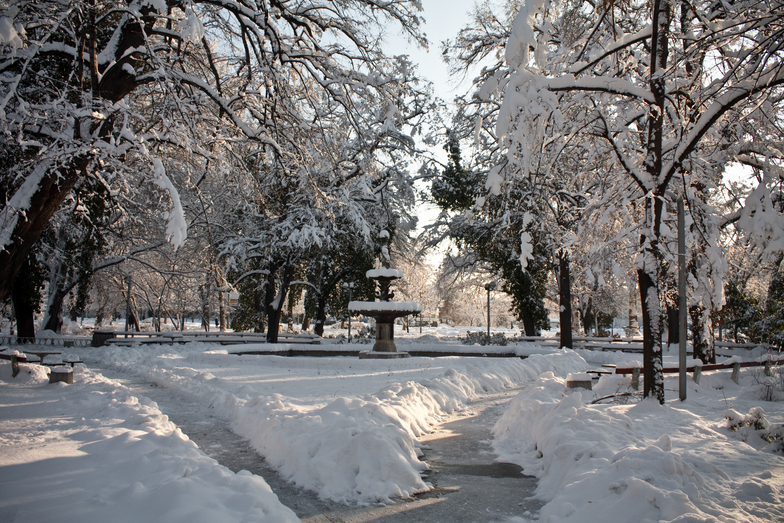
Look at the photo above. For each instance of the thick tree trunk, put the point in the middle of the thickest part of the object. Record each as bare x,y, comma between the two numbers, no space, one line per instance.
701,335
651,333
274,300
650,273
45,201
24,308
565,299
529,325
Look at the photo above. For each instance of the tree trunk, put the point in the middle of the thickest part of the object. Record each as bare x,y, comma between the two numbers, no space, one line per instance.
204,295
73,312
54,313
275,299
529,325
321,314
701,335
565,299
222,310
45,201
651,333
588,317
24,308
673,325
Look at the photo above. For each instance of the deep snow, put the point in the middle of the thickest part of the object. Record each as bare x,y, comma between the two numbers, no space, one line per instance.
348,428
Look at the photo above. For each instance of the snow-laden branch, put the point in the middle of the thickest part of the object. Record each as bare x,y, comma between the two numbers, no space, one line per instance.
718,107
617,86
619,44
19,203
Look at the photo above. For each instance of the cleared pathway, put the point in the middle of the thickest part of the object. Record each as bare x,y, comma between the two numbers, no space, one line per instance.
468,486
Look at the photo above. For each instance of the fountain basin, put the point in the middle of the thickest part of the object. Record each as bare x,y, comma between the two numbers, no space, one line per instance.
385,313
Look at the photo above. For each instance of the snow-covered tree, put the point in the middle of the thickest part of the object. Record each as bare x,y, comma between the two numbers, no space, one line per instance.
106,89
659,87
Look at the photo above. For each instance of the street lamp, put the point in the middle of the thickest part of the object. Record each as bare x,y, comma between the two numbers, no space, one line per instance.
489,287
350,287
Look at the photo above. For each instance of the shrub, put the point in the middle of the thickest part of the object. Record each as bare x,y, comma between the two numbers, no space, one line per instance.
482,338
754,421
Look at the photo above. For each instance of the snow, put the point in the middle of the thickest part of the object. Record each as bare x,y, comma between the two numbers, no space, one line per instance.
9,34
19,203
385,306
644,461
177,226
91,452
348,429
375,274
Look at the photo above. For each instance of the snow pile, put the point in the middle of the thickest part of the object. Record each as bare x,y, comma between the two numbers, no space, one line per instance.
357,447
91,452
642,462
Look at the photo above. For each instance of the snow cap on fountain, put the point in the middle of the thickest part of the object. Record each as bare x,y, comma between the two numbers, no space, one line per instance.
374,274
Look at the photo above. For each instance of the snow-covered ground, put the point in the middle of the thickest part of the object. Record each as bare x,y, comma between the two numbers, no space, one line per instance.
348,428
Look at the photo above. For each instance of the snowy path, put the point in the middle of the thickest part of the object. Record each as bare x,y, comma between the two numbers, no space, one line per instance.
469,487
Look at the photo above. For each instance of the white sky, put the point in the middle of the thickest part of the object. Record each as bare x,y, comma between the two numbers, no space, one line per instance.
443,20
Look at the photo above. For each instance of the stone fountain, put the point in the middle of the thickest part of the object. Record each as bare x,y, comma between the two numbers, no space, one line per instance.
384,311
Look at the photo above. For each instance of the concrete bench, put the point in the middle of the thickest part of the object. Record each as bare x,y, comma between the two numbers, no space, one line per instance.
61,374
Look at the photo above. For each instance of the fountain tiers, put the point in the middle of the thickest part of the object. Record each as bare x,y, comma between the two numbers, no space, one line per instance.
384,312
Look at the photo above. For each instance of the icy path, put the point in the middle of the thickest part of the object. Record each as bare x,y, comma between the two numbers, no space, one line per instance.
469,486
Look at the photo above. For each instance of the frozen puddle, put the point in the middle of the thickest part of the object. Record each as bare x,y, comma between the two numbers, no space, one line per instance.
468,485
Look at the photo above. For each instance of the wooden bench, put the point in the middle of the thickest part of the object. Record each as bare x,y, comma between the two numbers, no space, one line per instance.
65,361
598,372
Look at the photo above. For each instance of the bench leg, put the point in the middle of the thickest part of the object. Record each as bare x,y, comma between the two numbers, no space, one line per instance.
14,365
735,372
697,374
636,378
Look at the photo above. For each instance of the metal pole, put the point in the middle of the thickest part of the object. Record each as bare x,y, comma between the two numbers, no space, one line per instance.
128,304
350,288
682,298
488,312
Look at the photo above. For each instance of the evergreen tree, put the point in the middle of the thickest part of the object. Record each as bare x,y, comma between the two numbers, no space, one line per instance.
493,237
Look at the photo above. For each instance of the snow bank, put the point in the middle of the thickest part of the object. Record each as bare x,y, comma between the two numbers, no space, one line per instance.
92,452
643,462
356,447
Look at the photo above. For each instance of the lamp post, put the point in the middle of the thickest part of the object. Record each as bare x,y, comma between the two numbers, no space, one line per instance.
489,287
350,287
